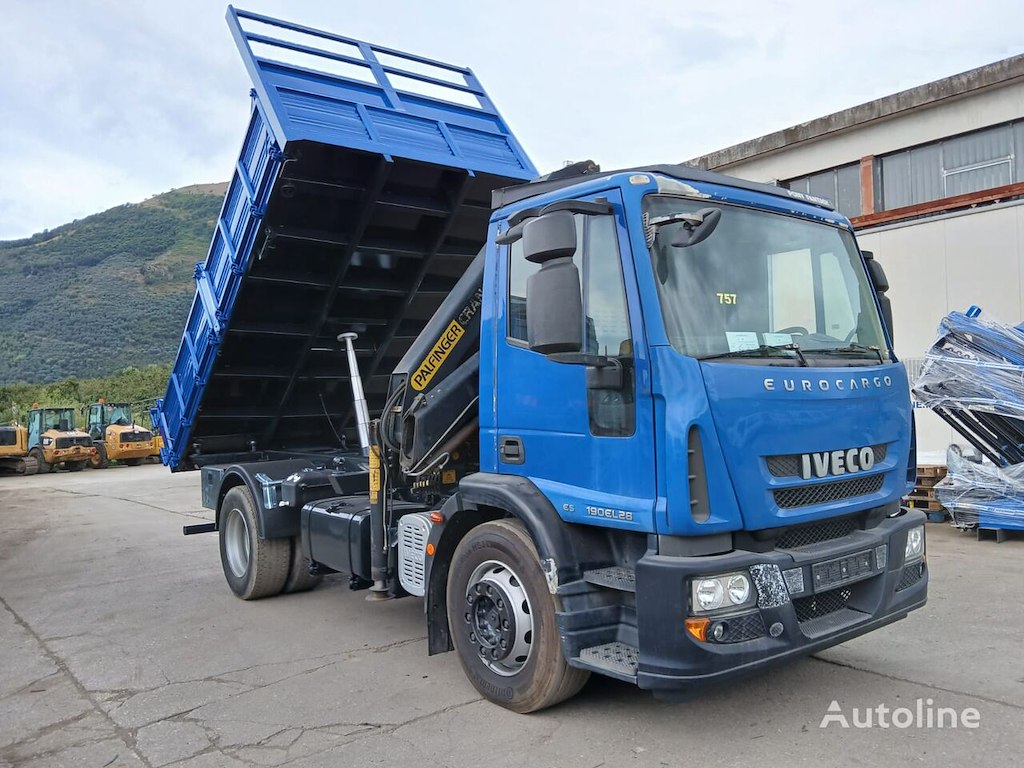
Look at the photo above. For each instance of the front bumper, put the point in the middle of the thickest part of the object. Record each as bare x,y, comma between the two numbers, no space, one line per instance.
74,453
817,618
139,450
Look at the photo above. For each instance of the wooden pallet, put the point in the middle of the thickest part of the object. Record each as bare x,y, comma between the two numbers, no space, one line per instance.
923,496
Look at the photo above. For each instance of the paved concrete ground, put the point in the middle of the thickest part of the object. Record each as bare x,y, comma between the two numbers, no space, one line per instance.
121,645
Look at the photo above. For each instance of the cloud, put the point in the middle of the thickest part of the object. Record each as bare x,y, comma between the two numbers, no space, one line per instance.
107,102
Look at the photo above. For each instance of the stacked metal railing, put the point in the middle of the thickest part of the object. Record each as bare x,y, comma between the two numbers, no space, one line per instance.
973,378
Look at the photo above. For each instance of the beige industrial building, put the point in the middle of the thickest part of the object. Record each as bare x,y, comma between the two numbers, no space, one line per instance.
933,179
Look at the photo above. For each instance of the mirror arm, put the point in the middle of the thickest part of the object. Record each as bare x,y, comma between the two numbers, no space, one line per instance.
602,372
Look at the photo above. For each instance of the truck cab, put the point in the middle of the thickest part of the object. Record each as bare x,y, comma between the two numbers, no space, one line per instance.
702,362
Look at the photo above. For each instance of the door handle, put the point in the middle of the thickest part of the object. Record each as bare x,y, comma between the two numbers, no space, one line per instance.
511,451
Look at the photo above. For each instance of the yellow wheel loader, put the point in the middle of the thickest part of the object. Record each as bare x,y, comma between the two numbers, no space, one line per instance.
116,436
14,456
54,441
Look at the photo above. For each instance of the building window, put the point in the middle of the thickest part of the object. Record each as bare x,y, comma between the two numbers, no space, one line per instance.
840,186
972,162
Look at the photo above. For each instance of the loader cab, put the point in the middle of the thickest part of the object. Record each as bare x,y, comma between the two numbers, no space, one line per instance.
103,414
116,435
46,423
53,439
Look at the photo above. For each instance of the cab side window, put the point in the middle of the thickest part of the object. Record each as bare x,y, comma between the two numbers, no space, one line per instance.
612,412
606,318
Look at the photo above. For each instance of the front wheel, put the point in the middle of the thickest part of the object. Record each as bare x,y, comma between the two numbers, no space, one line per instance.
502,620
42,466
253,567
99,459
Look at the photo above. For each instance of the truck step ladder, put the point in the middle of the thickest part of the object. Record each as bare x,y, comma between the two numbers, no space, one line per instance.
616,659
616,577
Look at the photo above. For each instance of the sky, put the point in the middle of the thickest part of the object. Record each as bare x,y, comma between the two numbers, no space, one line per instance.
104,102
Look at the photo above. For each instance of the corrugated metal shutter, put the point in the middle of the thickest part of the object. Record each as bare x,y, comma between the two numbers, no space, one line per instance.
1018,151
896,190
926,173
848,190
978,147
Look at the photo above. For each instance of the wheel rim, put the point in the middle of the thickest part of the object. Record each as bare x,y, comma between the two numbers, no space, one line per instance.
236,542
499,618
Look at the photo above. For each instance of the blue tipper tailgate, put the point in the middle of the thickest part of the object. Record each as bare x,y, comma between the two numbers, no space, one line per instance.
361,194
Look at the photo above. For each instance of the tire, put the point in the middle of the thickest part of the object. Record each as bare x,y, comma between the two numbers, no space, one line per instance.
253,567
133,462
75,466
41,466
99,459
299,578
495,567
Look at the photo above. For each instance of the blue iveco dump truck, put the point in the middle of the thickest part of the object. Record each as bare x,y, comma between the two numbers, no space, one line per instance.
645,423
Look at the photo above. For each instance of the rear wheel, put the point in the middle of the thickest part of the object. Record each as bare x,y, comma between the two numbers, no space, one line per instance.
253,567
99,459
502,620
41,465
299,578
75,466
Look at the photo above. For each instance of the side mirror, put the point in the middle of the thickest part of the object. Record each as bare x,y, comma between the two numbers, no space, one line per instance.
554,304
877,275
881,283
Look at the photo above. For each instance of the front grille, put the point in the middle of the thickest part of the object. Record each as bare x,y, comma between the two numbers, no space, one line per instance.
823,604
910,576
68,442
815,533
788,465
822,493
136,437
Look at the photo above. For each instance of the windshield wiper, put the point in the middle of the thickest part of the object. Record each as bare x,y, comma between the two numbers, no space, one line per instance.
853,347
764,350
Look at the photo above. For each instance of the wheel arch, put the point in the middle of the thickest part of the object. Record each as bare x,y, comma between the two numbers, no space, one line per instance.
276,523
483,497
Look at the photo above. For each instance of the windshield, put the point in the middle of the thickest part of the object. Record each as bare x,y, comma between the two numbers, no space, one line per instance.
762,280
119,414
62,419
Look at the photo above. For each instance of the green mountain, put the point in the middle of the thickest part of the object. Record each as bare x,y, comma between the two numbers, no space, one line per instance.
105,293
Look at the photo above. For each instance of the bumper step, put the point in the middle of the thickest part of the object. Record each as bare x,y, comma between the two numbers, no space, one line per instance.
622,579
615,659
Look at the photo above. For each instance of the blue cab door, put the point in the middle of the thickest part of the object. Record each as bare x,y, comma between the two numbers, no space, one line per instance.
590,451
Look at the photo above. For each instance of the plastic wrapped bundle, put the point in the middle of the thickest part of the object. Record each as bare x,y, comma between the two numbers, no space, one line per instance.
978,493
973,377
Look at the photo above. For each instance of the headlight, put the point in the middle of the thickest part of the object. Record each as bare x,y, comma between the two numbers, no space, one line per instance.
738,588
729,590
709,594
915,544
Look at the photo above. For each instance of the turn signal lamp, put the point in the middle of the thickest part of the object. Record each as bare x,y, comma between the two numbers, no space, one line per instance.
698,628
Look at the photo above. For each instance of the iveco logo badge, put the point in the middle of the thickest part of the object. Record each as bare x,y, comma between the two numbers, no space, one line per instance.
836,462
843,384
